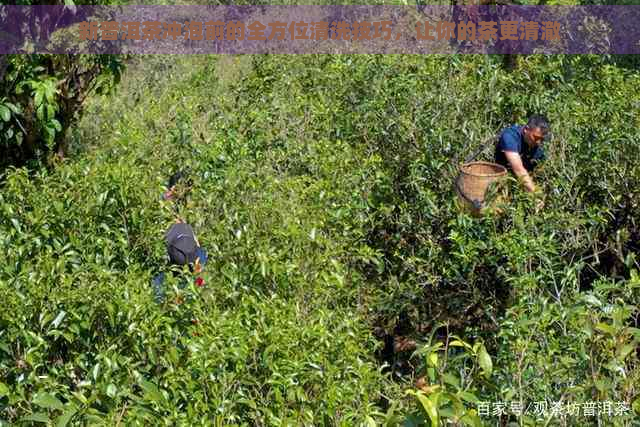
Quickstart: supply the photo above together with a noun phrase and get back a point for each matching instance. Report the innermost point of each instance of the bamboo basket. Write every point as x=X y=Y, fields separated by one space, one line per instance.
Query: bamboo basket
x=473 y=181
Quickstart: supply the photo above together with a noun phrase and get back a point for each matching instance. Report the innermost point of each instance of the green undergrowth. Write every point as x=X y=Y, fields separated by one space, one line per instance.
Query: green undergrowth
x=273 y=337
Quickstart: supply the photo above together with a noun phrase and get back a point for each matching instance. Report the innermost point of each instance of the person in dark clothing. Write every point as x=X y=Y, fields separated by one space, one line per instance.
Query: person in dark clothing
x=183 y=249
x=183 y=246
x=520 y=150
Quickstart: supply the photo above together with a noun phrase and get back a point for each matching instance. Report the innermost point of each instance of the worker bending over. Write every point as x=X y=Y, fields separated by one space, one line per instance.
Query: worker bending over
x=520 y=148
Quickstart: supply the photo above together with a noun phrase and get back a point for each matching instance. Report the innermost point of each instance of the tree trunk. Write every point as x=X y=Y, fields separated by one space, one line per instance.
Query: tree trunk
x=32 y=134
x=510 y=61
x=68 y=110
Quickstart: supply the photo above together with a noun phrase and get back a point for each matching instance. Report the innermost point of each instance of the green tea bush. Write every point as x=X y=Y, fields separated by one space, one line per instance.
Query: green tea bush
x=267 y=340
x=427 y=262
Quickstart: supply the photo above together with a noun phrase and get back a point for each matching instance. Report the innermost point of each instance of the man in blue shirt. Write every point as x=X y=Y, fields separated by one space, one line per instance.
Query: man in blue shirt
x=520 y=148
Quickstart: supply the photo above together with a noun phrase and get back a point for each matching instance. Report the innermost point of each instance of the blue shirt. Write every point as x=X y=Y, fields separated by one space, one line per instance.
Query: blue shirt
x=513 y=140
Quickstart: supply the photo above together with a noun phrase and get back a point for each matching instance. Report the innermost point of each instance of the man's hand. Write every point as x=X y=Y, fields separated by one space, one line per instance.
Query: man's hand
x=521 y=172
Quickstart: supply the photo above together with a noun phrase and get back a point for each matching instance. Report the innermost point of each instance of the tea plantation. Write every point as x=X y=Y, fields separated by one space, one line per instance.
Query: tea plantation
x=344 y=285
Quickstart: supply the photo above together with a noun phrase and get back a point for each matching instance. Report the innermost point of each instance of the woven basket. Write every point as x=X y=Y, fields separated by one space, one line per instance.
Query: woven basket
x=473 y=181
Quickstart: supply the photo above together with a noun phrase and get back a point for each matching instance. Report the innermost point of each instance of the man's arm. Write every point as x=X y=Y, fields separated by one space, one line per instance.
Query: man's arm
x=521 y=172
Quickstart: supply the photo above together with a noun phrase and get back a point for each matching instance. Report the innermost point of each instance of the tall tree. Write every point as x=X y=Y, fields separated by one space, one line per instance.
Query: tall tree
x=43 y=95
